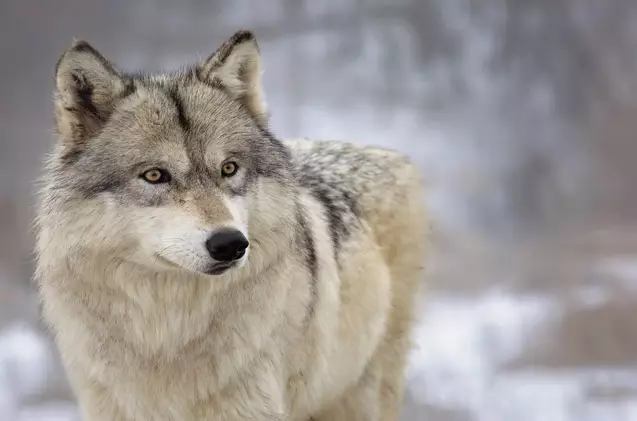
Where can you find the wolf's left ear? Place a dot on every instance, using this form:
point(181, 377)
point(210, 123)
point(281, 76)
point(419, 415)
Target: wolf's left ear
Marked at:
point(236, 66)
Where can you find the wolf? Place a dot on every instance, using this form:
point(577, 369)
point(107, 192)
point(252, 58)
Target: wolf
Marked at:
point(192, 267)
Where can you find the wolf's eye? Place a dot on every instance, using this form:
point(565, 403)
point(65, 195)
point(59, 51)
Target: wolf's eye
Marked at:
point(156, 176)
point(229, 169)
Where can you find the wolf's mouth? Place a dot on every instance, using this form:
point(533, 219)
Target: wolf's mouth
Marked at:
point(220, 268)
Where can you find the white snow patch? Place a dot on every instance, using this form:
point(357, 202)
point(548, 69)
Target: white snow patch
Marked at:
point(457, 364)
point(24, 362)
point(461, 341)
point(24, 359)
point(535, 395)
point(53, 411)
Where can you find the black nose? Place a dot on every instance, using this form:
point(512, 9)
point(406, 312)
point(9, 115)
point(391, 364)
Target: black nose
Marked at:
point(227, 245)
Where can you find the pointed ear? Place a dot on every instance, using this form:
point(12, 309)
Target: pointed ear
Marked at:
point(87, 87)
point(236, 66)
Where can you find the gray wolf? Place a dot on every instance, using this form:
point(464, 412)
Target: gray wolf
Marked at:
point(193, 267)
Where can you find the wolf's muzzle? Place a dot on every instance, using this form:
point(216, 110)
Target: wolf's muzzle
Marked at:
point(227, 245)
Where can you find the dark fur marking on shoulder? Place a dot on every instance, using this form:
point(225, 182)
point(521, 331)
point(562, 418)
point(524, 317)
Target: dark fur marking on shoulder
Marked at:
point(307, 244)
point(174, 96)
point(337, 202)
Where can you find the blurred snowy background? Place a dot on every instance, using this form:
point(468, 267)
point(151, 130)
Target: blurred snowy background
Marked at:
point(522, 115)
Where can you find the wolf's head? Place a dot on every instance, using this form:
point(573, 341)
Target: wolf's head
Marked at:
point(171, 171)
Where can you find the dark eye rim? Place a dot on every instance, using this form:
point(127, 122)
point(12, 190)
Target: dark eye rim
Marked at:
point(164, 177)
point(236, 168)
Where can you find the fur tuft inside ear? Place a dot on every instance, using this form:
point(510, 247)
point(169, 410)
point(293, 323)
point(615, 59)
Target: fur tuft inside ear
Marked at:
point(87, 87)
point(236, 66)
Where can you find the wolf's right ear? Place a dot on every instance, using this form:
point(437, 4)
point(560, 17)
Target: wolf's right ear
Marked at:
point(86, 89)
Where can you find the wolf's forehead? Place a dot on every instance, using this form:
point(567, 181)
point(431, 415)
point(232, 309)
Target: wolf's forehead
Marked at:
point(205, 115)
point(188, 116)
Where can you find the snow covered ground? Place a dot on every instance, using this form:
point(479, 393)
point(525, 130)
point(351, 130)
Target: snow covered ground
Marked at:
point(463, 345)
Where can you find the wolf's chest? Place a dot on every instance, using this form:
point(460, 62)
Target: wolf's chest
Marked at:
point(195, 382)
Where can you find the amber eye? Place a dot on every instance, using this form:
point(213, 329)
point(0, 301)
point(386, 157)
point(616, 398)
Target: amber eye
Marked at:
point(156, 176)
point(229, 169)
